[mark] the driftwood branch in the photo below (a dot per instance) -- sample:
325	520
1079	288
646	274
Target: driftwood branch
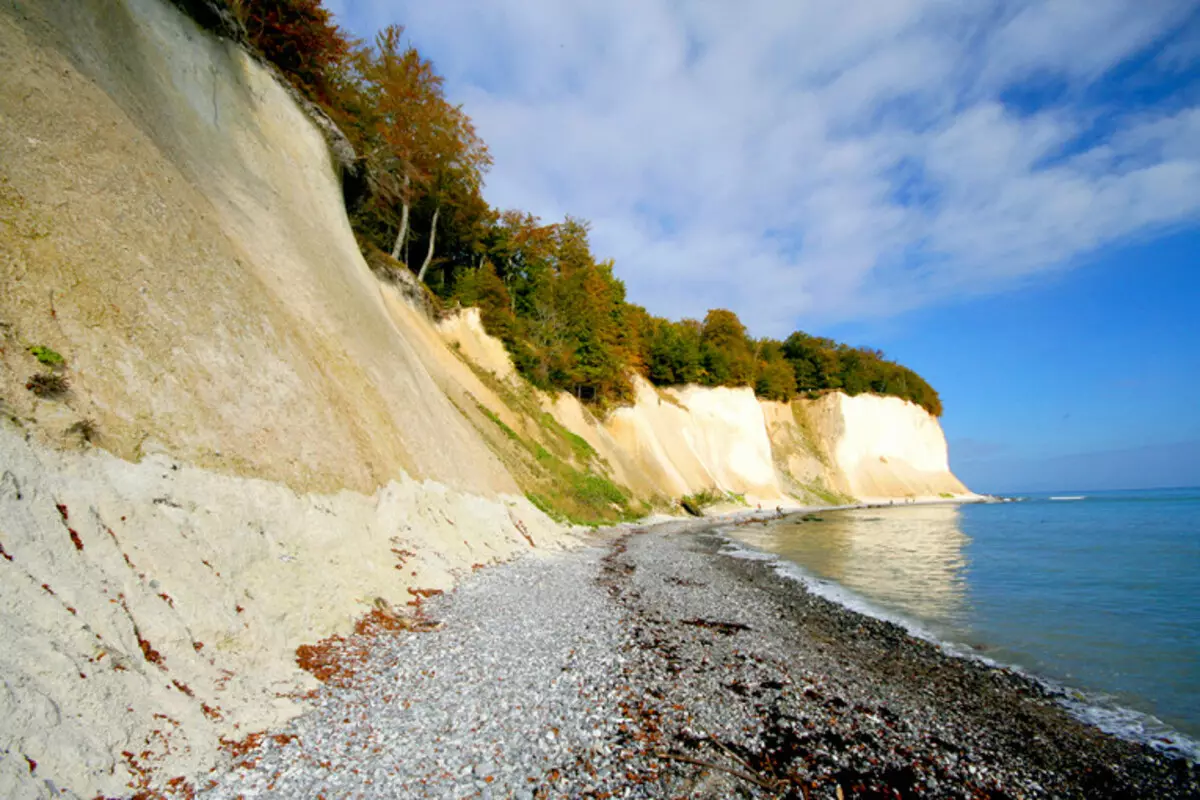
737	773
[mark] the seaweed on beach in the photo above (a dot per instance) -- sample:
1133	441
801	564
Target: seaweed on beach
808	699
727	628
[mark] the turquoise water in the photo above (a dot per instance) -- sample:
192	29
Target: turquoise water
1100	595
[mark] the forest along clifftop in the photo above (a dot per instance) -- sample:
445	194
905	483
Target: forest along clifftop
228	434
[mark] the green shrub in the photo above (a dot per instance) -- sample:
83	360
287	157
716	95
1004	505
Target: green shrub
47	356
827	496
557	487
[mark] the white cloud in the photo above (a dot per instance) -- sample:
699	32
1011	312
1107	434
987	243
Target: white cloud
815	161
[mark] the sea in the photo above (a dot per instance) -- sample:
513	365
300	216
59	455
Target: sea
1094	593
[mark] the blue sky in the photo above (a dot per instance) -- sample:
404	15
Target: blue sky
1089	379
1004	194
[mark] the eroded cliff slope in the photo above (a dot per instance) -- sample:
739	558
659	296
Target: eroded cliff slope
249	442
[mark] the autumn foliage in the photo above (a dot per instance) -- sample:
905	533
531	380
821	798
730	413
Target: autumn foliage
561	313
299	37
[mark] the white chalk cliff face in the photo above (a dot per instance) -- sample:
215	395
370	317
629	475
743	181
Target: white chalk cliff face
884	448
154	608
282	441
682	440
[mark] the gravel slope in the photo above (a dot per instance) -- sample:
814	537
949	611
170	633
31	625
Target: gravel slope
517	680
648	665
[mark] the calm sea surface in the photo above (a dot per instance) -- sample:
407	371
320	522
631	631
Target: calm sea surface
1100	595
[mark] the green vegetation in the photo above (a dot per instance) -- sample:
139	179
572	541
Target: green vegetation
808	434
509	432
826	495
561	313
584	452
560	489
47	356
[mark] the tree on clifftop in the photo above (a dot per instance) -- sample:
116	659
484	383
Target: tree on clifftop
427	146
300	37
728	360
562	313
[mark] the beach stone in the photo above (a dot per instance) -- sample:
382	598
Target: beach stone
603	670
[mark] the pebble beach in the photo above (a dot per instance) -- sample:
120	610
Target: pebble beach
650	664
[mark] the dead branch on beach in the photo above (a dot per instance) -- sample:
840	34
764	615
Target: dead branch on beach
770	786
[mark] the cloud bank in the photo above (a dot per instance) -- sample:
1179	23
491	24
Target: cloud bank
813	162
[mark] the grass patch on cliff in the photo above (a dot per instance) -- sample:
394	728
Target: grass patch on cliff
583	452
509	432
525	401
808	433
46	356
560	472
559	488
827	496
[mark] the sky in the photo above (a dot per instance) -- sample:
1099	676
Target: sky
1004	196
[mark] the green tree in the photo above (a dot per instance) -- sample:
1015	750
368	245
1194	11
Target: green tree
562	313
776	378
726	353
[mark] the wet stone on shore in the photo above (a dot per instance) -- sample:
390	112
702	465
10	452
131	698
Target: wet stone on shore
652	666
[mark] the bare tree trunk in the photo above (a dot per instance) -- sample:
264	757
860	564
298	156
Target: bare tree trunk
400	237
432	236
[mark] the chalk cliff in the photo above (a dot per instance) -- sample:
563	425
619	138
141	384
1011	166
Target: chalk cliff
683	440
275	442
260	440
883	448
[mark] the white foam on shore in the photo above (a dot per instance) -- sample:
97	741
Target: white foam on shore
1099	710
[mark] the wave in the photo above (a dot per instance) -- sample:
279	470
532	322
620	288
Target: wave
1071	497
1096	709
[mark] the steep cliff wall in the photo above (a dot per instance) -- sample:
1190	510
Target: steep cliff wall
836	449
176	230
273	431
883	447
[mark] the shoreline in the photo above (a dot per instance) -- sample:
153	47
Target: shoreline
689	673
729	513
1091	707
